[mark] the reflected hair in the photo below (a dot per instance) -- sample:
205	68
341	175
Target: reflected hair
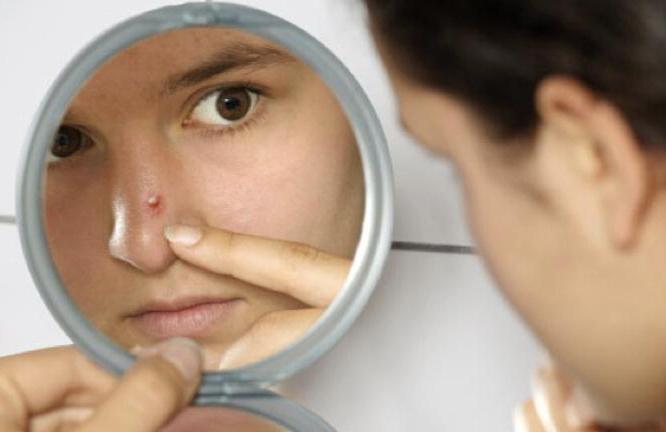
492	54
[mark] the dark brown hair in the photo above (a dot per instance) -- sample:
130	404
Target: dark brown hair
493	53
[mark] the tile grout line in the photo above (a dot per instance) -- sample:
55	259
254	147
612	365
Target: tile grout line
396	245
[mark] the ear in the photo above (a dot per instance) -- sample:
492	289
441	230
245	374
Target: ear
602	149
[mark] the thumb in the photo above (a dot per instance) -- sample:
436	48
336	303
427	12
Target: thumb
161	383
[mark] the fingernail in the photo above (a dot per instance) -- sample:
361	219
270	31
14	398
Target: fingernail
183	235
183	353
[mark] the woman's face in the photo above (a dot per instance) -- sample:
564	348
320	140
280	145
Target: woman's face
204	127
546	219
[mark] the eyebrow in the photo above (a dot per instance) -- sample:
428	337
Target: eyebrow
236	56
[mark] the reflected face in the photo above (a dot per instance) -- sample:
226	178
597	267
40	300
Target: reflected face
219	419
205	127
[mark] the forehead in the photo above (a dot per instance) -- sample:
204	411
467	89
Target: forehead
152	65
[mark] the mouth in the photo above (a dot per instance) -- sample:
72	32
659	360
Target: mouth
193	317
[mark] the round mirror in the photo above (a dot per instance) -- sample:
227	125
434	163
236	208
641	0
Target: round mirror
204	183
208	171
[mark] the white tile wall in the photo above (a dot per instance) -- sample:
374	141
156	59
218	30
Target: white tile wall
25	323
437	349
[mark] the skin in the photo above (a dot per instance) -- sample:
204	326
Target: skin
282	267
290	171
58	389
570	222
201	419
570	230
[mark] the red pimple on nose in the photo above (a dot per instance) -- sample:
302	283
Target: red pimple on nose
154	202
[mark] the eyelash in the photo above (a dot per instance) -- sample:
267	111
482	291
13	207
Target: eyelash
243	125
51	160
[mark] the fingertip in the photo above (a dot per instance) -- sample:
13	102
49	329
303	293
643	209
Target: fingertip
182	353
183	235
162	381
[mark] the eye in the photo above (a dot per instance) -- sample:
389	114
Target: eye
66	143
224	107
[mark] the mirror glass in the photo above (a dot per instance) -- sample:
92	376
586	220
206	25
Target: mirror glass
220	419
204	183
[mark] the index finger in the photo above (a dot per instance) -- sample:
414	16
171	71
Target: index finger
296	269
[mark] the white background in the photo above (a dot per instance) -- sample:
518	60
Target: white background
437	349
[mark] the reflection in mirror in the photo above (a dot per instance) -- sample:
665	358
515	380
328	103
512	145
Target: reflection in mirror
204	183
219	419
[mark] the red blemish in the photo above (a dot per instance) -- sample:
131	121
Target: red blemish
154	202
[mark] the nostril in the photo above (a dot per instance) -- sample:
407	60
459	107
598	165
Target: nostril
147	252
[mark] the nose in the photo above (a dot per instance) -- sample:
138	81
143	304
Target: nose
141	208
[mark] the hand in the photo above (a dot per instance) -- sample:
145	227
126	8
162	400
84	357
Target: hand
295	269
58	389
552	410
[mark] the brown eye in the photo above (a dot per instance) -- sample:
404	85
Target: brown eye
234	104
67	141
225	107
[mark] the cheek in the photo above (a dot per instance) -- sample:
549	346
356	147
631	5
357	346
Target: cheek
492	225
510	232
295	175
76	212
77	224
607	341
296	184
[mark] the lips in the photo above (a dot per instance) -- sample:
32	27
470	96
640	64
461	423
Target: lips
188	317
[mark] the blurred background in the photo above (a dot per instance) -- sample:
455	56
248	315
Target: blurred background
437	349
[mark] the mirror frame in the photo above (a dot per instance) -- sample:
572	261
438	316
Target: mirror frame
375	239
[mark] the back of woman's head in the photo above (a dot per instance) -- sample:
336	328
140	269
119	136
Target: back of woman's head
493	53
